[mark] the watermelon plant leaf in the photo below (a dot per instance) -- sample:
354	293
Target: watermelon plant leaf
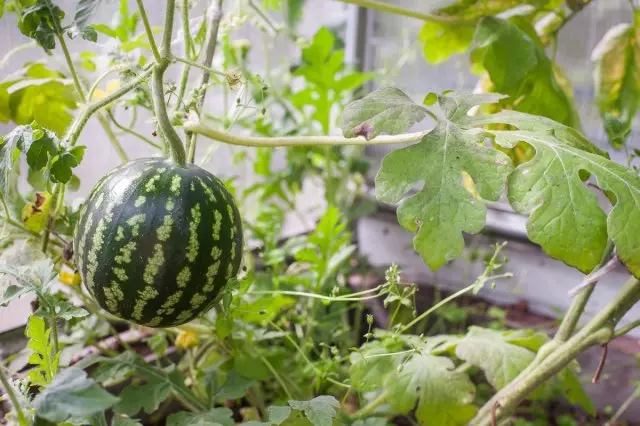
566	218
387	110
61	166
443	160
371	365
119	420
41	149
441	40
217	417
85	10
72	394
145	397
278	414
489	350
430	384
617	80
234	387
320	410
575	392
43	359
517	65
37	22
129	363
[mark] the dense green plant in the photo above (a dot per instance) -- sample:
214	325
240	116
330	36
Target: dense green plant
288	341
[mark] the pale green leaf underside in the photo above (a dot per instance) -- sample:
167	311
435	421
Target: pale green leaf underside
444	208
387	110
566	219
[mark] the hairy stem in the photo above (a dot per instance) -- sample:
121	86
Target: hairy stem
597	331
147	28
284	141
627	328
570	320
112	138
371	407
131	131
22	420
210	51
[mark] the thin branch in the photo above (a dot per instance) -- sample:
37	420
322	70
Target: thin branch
147	28
571	318
132	132
15	50
624	407
188	52
595	276
603	360
275	28
22	420
92	108
284	141
388	8
210	51
627	328
201	66
104	75
494	408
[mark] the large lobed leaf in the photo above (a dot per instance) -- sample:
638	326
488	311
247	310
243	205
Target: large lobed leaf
440	395
445	207
453	32
491	351
566	218
72	394
617	80
459	173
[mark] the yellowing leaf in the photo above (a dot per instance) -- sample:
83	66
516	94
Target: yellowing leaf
617	80
441	39
36	214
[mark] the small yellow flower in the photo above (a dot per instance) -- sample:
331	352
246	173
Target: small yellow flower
112	86
187	339
72	279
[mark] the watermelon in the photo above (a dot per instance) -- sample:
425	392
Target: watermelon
156	244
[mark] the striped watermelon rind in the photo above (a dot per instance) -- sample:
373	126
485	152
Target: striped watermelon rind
156	244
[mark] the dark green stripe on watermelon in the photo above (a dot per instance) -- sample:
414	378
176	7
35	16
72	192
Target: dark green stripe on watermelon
156	244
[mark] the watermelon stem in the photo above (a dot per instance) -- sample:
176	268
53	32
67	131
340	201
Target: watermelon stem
176	146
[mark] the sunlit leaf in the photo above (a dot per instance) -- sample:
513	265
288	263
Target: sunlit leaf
387	110
519	67
566	218
617	80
